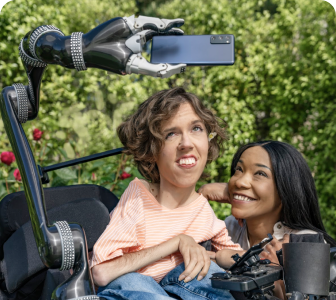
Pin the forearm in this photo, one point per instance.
(108, 271)
(280, 290)
(224, 259)
(50, 46)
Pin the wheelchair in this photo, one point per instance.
(46, 232)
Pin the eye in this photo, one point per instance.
(238, 168)
(170, 134)
(261, 173)
(198, 128)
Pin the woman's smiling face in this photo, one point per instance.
(252, 188)
(184, 154)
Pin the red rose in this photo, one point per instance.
(37, 134)
(124, 175)
(17, 174)
(7, 158)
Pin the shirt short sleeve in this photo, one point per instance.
(222, 240)
(125, 232)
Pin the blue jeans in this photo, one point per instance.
(134, 286)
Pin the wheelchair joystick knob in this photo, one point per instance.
(236, 257)
(264, 261)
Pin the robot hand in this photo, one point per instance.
(144, 28)
(114, 46)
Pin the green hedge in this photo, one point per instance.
(282, 86)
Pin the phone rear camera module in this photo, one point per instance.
(220, 39)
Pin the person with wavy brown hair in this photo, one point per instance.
(150, 249)
(141, 132)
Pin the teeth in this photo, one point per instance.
(187, 161)
(242, 198)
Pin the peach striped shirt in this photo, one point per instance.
(139, 222)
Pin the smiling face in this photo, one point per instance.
(184, 154)
(252, 189)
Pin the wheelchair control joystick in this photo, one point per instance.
(249, 274)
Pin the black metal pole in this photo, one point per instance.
(82, 160)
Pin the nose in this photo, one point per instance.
(243, 182)
(185, 143)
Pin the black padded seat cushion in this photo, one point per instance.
(14, 210)
(21, 257)
(52, 280)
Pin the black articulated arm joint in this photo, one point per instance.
(113, 46)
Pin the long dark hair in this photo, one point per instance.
(295, 185)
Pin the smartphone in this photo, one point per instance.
(194, 50)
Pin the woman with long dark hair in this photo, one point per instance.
(271, 190)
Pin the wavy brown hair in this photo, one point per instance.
(141, 132)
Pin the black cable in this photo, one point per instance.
(283, 270)
(277, 264)
(256, 283)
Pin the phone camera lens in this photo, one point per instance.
(220, 37)
(213, 37)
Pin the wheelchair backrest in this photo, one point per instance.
(88, 205)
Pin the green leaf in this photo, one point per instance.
(58, 181)
(3, 191)
(97, 164)
(107, 179)
(66, 174)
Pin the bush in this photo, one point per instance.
(281, 87)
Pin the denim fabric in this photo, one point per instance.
(133, 286)
(194, 290)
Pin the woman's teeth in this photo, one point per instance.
(242, 198)
(187, 161)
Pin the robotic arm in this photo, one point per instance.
(113, 46)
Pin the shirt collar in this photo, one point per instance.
(279, 230)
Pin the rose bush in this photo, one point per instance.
(7, 157)
(125, 175)
(282, 86)
(17, 175)
(37, 134)
(75, 117)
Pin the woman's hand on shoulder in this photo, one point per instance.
(218, 192)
